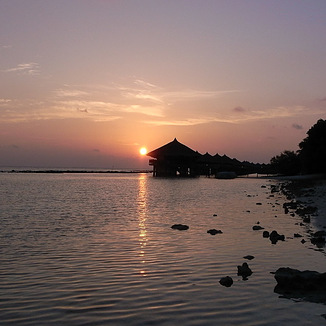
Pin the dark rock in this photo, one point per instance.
(257, 227)
(214, 231)
(214, 214)
(258, 203)
(309, 285)
(297, 235)
(290, 205)
(226, 281)
(290, 278)
(303, 241)
(266, 234)
(244, 271)
(249, 257)
(180, 227)
(320, 234)
(306, 210)
(274, 237)
(274, 188)
(306, 219)
(318, 240)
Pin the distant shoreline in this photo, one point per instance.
(55, 171)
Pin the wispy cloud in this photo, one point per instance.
(246, 116)
(4, 101)
(31, 68)
(69, 92)
(239, 109)
(143, 90)
(184, 122)
(296, 126)
(122, 100)
(192, 94)
(142, 101)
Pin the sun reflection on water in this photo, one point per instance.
(142, 211)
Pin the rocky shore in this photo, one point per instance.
(306, 197)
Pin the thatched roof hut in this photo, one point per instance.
(173, 149)
(174, 159)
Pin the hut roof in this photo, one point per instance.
(207, 158)
(174, 148)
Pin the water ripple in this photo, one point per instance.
(99, 250)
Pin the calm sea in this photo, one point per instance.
(98, 249)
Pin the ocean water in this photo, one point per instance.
(98, 249)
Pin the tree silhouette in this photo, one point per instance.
(312, 151)
(287, 163)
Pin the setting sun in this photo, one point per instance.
(143, 151)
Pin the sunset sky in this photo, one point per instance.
(87, 83)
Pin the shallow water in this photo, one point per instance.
(98, 249)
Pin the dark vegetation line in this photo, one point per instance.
(309, 159)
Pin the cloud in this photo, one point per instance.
(133, 96)
(192, 94)
(4, 101)
(143, 89)
(187, 122)
(138, 99)
(31, 68)
(247, 116)
(239, 109)
(69, 93)
(143, 83)
(296, 126)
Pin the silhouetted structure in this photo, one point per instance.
(176, 159)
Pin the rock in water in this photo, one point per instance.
(180, 227)
(226, 281)
(244, 271)
(266, 234)
(257, 227)
(214, 231)
(309, 285)
(274, 237)
(249, 257)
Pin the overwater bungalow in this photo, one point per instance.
(174, 159)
